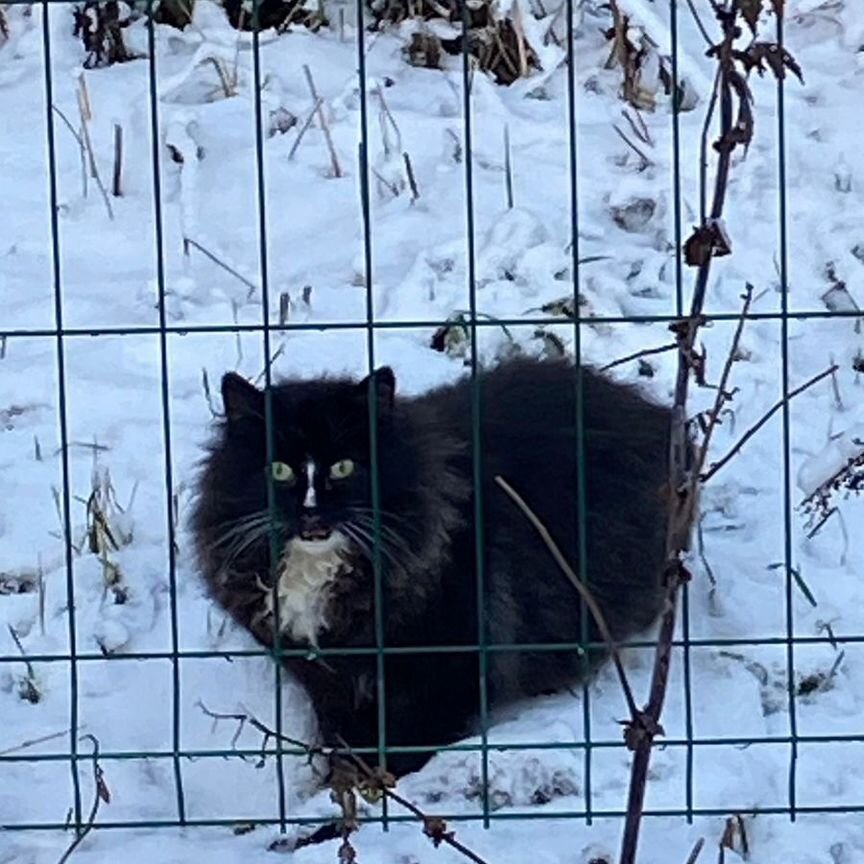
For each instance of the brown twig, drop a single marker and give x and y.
(707, 242)
(100, 794)
(434, 827)
(646, 352)
(581, 588)
(377, 781)
(723, 394)
(716, 466)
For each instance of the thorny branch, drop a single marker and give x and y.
(370, 783)
(100, 794)
(708, 241)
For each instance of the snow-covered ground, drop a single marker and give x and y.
(109, 271)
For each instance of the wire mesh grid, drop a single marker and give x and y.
(179, 756)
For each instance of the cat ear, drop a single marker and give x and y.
(242, 400)
(384, 382)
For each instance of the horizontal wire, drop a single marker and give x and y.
(539, 648)
(411, 324)
(493, 747)
(528, 815)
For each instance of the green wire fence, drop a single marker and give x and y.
(79, 758)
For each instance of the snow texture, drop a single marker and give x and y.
(209, 193)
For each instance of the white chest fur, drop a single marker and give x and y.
(305, 578)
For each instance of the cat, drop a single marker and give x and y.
(320, 544)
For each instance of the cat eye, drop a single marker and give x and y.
(281, 472)
(341, 469)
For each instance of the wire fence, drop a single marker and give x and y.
(78, 753)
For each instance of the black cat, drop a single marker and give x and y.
(323, 532)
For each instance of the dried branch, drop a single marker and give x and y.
(724, 395)
(708, 241)
(374, 784)
(646, 352)
(716, 466)
(100, 794)
(581, 588)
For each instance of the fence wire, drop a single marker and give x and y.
(178, 755)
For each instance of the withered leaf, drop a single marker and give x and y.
(706, 241)
(751, 10)
(436, 830)
(102, 788)
(771, 55)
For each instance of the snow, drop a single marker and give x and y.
(110, 276)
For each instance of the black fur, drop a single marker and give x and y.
(528, 436)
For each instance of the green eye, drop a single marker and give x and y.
(341, 469)
(281, 472)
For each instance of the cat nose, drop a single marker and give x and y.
(309, 521)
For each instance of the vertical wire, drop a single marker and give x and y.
(166, 413)
(679, 299)
(581, 498)
(476, 421)
(378, 582)
(787, 471)
(275, 550)
(63, 419)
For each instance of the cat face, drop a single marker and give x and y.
(314, 486)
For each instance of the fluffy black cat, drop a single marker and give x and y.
(322, 496)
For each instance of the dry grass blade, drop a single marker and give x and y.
(581, 588)
(86, 114)
(322, 118)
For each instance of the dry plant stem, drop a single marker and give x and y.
(716, 466)
(646, 352)
(188, 241)
(721, 398)
(433, 827)
(84, 110)
(508, 168)
(682, 485)
(304, 128)
(223, 77)
(696, 851)
(412, 181)
(81, 147)
(117, 185)
(581, 588)
(645, 162)
(325, 126)
(100, 794)
(33, 742)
